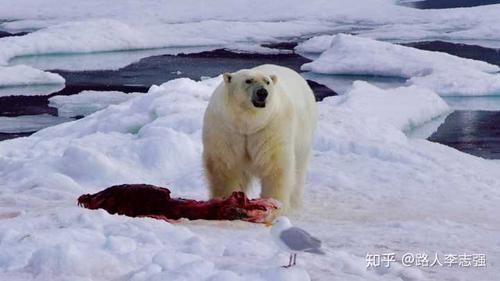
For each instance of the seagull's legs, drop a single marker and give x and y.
(294, 259)
(289, 262)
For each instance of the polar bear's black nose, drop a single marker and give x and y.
(259, 97)
(261, 94)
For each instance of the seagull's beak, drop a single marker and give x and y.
(268, 223)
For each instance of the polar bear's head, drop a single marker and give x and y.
(249, 89)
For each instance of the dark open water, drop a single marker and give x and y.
(445, 4)
(139, 76)
(475, 132)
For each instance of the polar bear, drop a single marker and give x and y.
(259, 123)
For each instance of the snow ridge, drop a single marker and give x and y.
(440, 72)
(155, 138)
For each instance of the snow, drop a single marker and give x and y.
(75, 27)
(155, 26)
(26, 75)
(87, 102)
(388, 193)
(415, 106)
(371, 188)
(316, 44)
(440, 72)
(29, 123)
(102, 35)
(376, 17)
(33, 14)
(476, 23)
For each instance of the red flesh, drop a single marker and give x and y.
(139, 200)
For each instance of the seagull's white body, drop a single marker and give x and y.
(294, 240)
(281, 224)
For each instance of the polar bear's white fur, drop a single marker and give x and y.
(259, 123)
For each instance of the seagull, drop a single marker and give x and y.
(293, 240)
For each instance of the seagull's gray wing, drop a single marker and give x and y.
(298, 239)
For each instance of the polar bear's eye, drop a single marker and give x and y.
(267, 81)
(248, 81)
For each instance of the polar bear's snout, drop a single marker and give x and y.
(259, 97)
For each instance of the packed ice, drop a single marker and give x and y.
(87, 102)
(155, 138)
(155, 24)
(440, 72)
(20, 75)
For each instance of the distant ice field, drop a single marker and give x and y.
(88, 27)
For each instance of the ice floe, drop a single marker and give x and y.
(440, 72)
(370, 189)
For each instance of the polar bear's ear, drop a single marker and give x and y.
(274, 78)
(227, 77)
